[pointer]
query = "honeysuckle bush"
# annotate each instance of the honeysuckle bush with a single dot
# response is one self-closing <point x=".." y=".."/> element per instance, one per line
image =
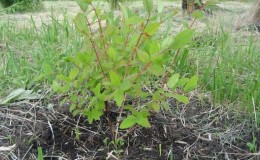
<point x="125" y="63"/>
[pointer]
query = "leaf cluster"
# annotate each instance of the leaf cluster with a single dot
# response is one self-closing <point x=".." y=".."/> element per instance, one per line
<point x="124" y="62"/>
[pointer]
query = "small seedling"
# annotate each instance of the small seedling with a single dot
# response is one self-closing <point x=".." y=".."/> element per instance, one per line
<point x="252" y="146"/>
<point x="40" y="154"/>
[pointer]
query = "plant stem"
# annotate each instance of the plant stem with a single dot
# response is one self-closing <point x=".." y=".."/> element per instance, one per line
<point x="136" y="45"/>
<point x="94" y="47"/>
<point x="173" y="62"/>
<point x="100" y="29"/>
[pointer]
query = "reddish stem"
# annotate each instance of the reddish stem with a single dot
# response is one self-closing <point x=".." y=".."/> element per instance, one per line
<point x="100" y="28"/>
<point x="136" y="45"/>
<point x="94" y="47"/>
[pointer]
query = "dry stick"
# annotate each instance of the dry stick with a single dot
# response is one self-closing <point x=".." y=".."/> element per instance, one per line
<point x="94" y="46"/>
<point x="129" y="131"/>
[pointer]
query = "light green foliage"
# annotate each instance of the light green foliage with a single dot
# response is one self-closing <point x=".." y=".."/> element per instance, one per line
<point x="40" y="153"/>
<point x="252" y="146"/>
<point x="116" y="144"/>
<point x="40" y="49"/>
<point x="116" y="61"/>
<point x="228" y="68"/>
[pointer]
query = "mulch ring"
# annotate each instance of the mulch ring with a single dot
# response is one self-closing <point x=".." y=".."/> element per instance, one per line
<point x="194" y="131"/>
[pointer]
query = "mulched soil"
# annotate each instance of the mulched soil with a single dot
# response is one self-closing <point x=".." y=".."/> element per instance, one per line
<point x="194" y="131"/>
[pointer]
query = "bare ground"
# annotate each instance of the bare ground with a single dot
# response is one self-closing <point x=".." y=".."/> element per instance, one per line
<point x="195" y="131"/>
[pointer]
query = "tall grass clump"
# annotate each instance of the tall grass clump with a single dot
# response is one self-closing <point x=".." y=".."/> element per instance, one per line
<point x="12" y="6"/>
<point x="26" y="49"/>
<point x="114" y="4"/>
<point x="228" y="67"/>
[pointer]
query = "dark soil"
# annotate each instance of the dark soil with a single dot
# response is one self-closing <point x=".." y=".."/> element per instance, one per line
<point x="195" y="131"/>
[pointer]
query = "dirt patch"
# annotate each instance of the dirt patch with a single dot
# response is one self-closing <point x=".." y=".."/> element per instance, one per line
<point x="195" y="131"/>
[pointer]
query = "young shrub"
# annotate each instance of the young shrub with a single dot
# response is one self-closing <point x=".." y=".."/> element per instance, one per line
<point x="123" y="64"/>
<point x="12" y="6"/>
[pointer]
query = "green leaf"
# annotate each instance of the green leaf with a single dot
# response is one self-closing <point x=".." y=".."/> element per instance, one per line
<point x="144" y="122"/>
<point x="131" y="109"/>
<point x="20" y="94"/>
<point x="128" y="122"/>
<point x="76" y="112"/>
<point x="92" y="102"/>
<point x="212" y="4"/>
<point x="72" y="107"/>
<point x="47" y="69"/>
<point x="160" y="6"/>
<point x="63" y="78"/>
<point x="80" y="23"/>
<point x="73" y="73"/>
<point x="166" y="106"/>
<point x="155" y="106"/>
<point x="96" y="114"/>
<point x="198" y="14"/>
<point x="65" y="88"/>
<point x="74" y="98"/>
<point x="90" y="119"/>
<point x="55" y="86"/>
<point x="152" y="28"/>
<point x="40" y="153"/>
<point x="84" y="4"/>
<point x="134" y="20"/>
<point x="40" y="77"/>
<point x="115" y="78"/>
<point x="156" y="70"/>
<point x="154" y="47"/>
<point x="173" y="80"/>
<point x="181" y="98"/>
<point x="143" y="56"/>
<point x="182" y="82"/>
<point x="112" y="53"/>
<point x="157" y="95"/>
<point x="191" y="84"/>
<point x="182" y="39"/>
<point x="148" y="5"/>
<point x="125" y="85"/>
<point x="77" y="133"/>
<point x="124" y="11"/>
<point x="167" y="42"/>
<point x="96" y="90"/>
<point x="119" y="97"/>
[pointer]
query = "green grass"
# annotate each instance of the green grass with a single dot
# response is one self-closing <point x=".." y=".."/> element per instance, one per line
<point x="28" y="48"/>
<point x="228" y="64"/>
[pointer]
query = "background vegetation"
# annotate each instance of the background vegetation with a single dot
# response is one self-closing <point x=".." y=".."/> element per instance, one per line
<point x="12" y="6"/>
